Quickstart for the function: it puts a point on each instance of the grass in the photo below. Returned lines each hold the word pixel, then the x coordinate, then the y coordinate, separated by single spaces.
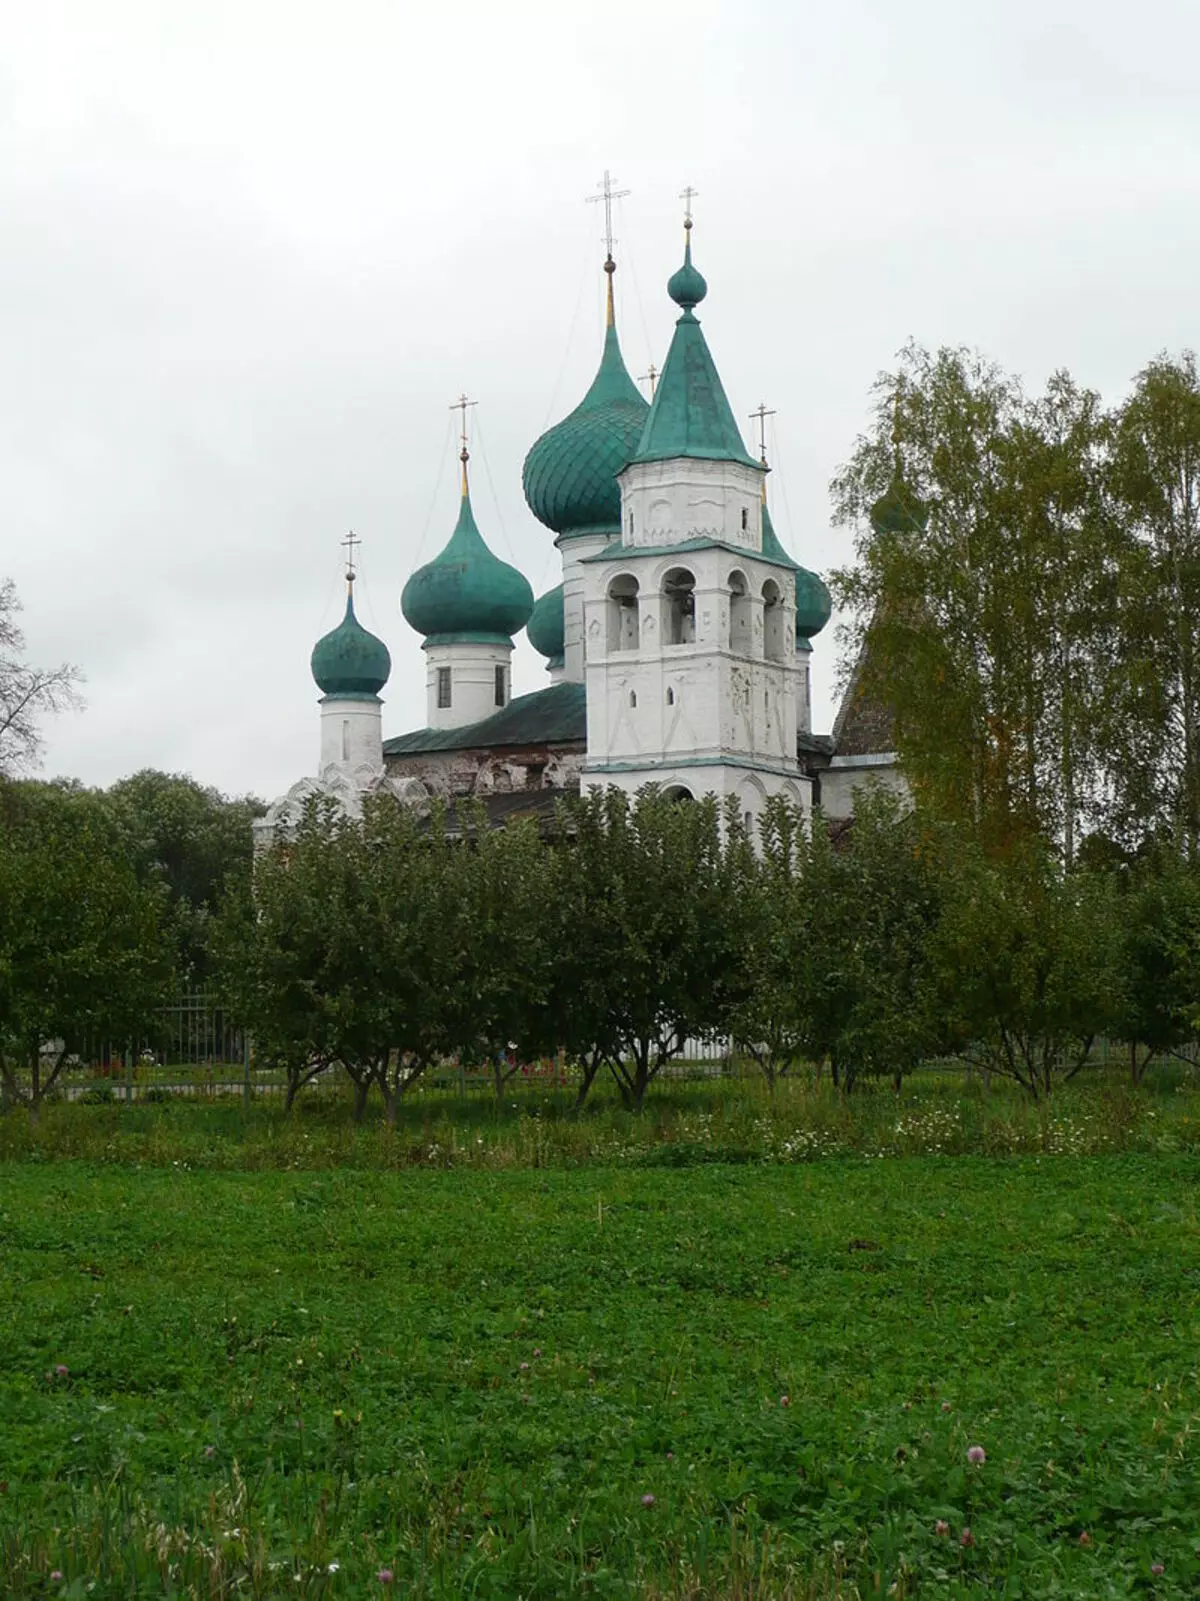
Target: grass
pixel 297 1356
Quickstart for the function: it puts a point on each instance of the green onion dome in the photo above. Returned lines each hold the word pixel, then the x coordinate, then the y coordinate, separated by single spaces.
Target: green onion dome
pixel 466 593
pixel 814 604
pixel 687 286
pixel 349 661
pixel 546 627
pixel 898 510
pixel 570 474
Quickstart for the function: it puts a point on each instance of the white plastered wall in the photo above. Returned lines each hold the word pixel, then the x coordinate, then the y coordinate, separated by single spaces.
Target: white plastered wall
pixel 351 735
pixel 472 668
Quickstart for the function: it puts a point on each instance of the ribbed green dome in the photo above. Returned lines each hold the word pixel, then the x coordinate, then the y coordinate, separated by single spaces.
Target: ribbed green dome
pixel 546 627
pixel 814 605
pixel 349 660
pixel 466 592
pixel 570 474
pixel 898 510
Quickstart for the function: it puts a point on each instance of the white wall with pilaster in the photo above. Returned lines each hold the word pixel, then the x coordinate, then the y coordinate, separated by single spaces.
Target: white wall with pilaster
pixel 472 666
pixel 351 734
pixel 574 551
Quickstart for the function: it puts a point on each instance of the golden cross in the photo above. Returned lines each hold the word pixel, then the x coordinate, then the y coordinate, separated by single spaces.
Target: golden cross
pixel 760 416
pixel 687 196
pixel 651 378
pixel 608 194
pixel 350 541
pixel 461 405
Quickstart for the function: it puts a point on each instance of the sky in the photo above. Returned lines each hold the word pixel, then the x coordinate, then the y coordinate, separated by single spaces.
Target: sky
pixel 253 250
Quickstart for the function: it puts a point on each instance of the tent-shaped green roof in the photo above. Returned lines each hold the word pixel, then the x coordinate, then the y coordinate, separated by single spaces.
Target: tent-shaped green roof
pixel 690 415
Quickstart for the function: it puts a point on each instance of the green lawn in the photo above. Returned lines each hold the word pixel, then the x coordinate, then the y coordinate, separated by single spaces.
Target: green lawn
pixel 473 1379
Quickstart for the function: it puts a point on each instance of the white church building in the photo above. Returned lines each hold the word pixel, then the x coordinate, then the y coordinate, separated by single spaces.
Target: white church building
pixel 677 645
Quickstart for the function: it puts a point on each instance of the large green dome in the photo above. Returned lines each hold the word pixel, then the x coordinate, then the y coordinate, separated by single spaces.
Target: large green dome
pixel 570 474
pixel 465 592
pixel 349 661
pixel 814 604
pixel 546 627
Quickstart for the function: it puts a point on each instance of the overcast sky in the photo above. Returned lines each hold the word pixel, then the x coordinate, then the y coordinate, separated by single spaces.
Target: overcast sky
pixel 251 251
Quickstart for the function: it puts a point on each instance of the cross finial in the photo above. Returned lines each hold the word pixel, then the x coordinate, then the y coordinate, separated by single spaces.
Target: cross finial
pixel 606 193
pixel 760 416
pixel 350 543
pixel 464 455
pixel 687 196
pixel 650 378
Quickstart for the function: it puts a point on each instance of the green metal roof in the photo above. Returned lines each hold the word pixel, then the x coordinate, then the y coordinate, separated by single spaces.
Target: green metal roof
pixel 617 551
pixel 570 473
pixel 546 627
pixel 349 661
pixel 554 716
pixel 465 591
pixel 690 415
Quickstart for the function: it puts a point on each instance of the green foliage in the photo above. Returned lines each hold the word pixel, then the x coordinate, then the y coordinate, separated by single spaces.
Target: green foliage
pixel 82 953
pixel 285 1382
pixel 192 840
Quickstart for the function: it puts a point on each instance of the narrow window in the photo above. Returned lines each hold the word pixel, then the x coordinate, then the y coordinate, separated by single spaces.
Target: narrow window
pixel 346 739
pixel 500 686
pixel 633 697
pixel 443 698
pixel 746 815
pixel 745 519
pixel 630 525
pixel 670 697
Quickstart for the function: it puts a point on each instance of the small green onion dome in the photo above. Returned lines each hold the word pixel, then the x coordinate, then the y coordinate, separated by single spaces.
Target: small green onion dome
pixel 570 473
pixel 814 604
pixel 350 661
pixel 898 510
pixel 687 286
pixel 466 592
pixel 546 627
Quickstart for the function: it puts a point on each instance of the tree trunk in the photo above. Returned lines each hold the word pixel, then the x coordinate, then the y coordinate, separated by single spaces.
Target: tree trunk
pixel 362 1087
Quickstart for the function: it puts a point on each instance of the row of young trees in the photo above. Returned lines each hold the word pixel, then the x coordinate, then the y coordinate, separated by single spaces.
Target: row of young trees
pixel 1030 598
pixel 387 945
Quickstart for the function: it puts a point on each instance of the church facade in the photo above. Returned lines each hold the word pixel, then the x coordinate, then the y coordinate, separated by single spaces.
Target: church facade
pixel 677 644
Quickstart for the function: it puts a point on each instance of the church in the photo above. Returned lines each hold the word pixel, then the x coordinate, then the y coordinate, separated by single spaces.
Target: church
pixel 677 646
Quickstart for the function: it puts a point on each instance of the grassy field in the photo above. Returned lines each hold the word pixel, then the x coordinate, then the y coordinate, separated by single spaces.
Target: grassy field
pixel 221 1375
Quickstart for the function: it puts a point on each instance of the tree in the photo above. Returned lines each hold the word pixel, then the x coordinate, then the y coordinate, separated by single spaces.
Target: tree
pixel 27 693
pixel 1158 959
pixel 1155 477
pixel 865 994
pixel 83 958
pixel 769 1022
pixel 346 952
pixel 655 905
pixel 194 841
pixel 1027 963
pixel 986 582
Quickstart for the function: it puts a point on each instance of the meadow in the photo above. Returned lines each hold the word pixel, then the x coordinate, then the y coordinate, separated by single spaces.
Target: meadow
pixel 739 1346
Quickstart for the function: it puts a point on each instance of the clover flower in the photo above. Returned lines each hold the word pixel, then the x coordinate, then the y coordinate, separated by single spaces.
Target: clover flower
pixel 976 1455
pixel 647 1500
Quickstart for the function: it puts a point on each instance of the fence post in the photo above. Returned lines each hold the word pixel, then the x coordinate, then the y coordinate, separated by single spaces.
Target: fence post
pixel 246 1070
pixel 128 1074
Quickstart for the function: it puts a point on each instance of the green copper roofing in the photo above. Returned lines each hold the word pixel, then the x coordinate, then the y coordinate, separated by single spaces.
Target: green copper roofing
pixel 546 627
pixel 813 601
pixel 898 510
pixel 553 716
pixel 349 661
pixel 690 415
pixel 570 474
pixel 466 591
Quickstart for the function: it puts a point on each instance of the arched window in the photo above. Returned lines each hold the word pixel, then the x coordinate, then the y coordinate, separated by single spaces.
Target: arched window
pixel 623 613
pixel 678 792
pixel 740 627
pixel 679 593
pixel 772 621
